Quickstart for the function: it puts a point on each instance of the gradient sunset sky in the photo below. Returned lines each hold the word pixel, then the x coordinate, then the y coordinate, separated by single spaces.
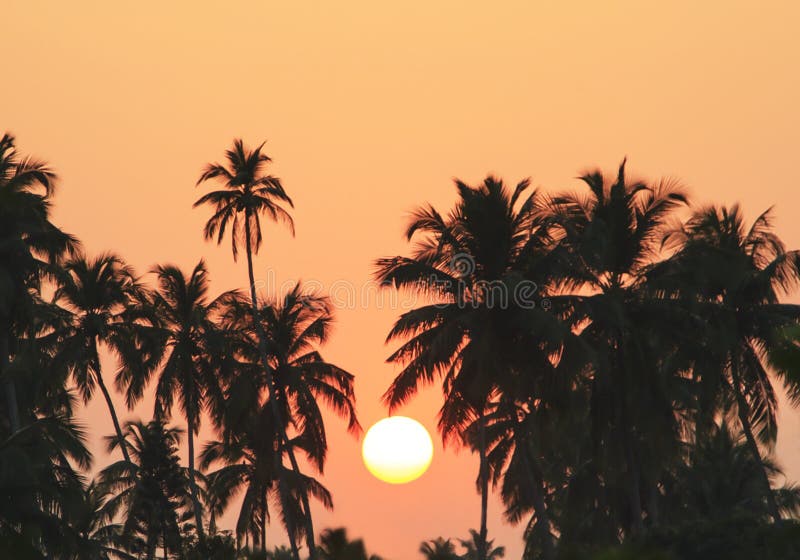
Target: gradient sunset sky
pixel 369 109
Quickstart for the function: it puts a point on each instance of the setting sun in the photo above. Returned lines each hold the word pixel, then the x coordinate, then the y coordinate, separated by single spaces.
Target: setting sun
pixel 397 450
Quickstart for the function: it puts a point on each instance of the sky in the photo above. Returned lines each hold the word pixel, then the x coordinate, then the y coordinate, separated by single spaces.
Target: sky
pixel 368 110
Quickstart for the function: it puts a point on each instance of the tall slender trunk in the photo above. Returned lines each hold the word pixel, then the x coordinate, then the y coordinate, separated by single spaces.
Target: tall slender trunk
pixel 484 481
pixel 198 512
pixel 540 507
pixel 276 412
pixel 744 418
pixel 625 433
pixel 264 522
pixel 312 550
pixel 8 384
pixel 292 539
pixel 100 383
pixel 634 486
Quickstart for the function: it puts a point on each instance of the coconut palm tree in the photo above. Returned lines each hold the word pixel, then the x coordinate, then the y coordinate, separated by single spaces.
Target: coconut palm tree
pixel 29 245
pixel 721 479
pixel 518 435
pixel 39 485
pixel 473 544
pixel 336 545
pixel 608 239
pixel 471 264
pixel 191 348
pixel 296 327
pixel 247 193
pixel 97 293
pixel 151 491
pixel 439 549
pixel 248 466
pixel 96 534
pixel 736 276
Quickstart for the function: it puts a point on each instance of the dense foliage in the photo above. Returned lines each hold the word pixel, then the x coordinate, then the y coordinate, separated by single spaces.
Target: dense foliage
pixel 610 355
pixel 633 398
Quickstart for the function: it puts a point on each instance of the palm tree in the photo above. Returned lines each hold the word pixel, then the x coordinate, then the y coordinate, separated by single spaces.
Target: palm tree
pixel 29 245
pixel 608 240
pixel 736 276
pixel 97 535
pixel 471 264
pixel 39 486
pixel 98 293
pixel 248 465
pixel 151 491
pixel 439 549
pixel 721 479
pixel 335 545
pixel 296 327
pixel 247 194
pixel 190 347
pixel 520 435
pixel 472 547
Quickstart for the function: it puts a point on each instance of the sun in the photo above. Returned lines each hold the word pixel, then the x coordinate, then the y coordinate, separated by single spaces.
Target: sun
pixel 397 449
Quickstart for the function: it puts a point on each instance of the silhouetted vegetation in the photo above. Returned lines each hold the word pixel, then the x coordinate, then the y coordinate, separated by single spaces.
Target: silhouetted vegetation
pixel 635 390
pixel 611 356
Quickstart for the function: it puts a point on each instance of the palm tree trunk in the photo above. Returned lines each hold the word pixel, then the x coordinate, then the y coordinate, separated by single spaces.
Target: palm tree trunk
pixel 8 384
pixel 276 413
pixel 634 488
pixel 122 445
pixel 484 481
pixel 198 512
pixel 744 418
pixel 312 550
pixel 292 540
pixel 625 431
pixel 264 522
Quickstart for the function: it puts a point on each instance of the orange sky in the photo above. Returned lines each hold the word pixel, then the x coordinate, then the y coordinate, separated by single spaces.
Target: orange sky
pixel 369 109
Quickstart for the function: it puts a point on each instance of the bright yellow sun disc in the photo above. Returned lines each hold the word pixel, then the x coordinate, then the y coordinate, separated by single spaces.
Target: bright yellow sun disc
pixel 397 449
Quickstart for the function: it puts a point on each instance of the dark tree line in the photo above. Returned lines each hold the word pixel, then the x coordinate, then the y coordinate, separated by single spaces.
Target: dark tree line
pixel 611 355
pixel 250 366
pixel 613 404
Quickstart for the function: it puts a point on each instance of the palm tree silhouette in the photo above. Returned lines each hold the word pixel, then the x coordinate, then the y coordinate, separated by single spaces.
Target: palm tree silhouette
pixel 247 194
pixel 96 533
pixel 29 245
pixel 721 478
pixel 608 239
pixel 460 260
pixel 96 293
pixel 739 275
pixel 472 547
pixel 296 327
pixel 151 491
pixel 40 485
pixel 247 454
pixel 439 549
pixel 335 545
pixel 191 347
